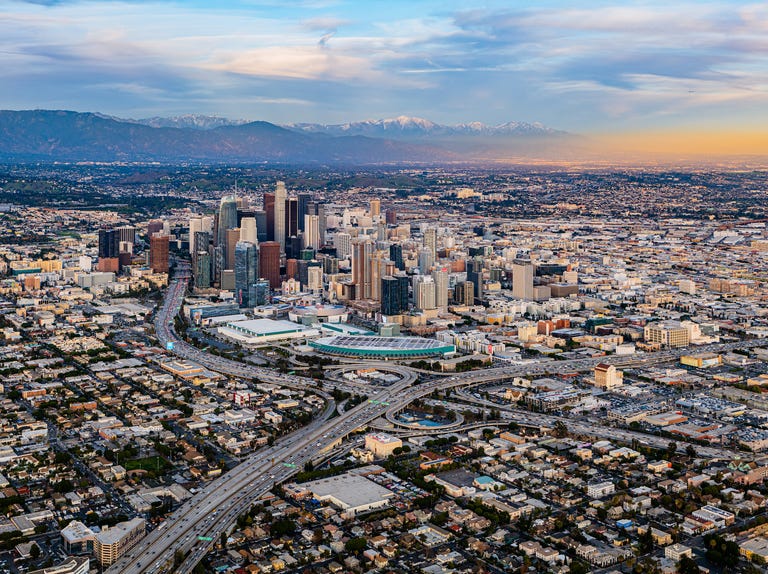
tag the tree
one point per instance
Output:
(560, 430)
(283, 527)
(577, 567)
(645, 542)
(720, 551)
(671, 448)
(647, 566)
(34, 551)
(690, 451)
(356, 545)
(687, 565)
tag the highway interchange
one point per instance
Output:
(197, 525)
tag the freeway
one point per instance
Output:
(196, 525)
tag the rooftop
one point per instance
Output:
(349, 491)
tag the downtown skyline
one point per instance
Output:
(648, 69)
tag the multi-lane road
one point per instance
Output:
(195, 526)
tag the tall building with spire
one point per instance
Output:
(280, 199)
(227, 220)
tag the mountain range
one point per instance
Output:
(405, 127)
(57, 135)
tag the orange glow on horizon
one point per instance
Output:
(684, 143)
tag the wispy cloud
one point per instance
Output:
(629, 63)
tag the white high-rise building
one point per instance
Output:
(315, 279)
(440, 277)
(248, 231)
(343, 244)
(424, 293)
(312, 231)
(281, 195)
(522, 280)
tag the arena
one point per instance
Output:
(382, 347)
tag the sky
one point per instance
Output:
(591, 68)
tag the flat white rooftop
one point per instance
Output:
(263, 327)
(349, 491)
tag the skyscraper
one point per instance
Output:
(522, 279)
(202, 270)
(430, 241)
(377, 269)
(304, 200)
(261, 225)
(396, 255)
(291, 217)
(361, 267)
(426, 261)
(246, 272)
(312, 231)
(475, 276)
(293, 247)
(201, 241)
(464, 293)
(269, 214)
(394, 294)
(375, 207)
(127, 234)
(315, 277)
(391, 217)
(248, 231)
(343, 244)
(227, 220)
(109, 243)
(158, 253)
(261, 293)
(441, 287)
(233, 236)
(390, 296)
(316, 208)
(269, 262)
(195, 226)
(405, 286)
(155, 226)
(424, 293)
(280, 197)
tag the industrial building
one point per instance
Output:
(351, 493)
(262, 331)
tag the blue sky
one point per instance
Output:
(583, 67)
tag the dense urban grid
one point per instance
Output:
(280, 369)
